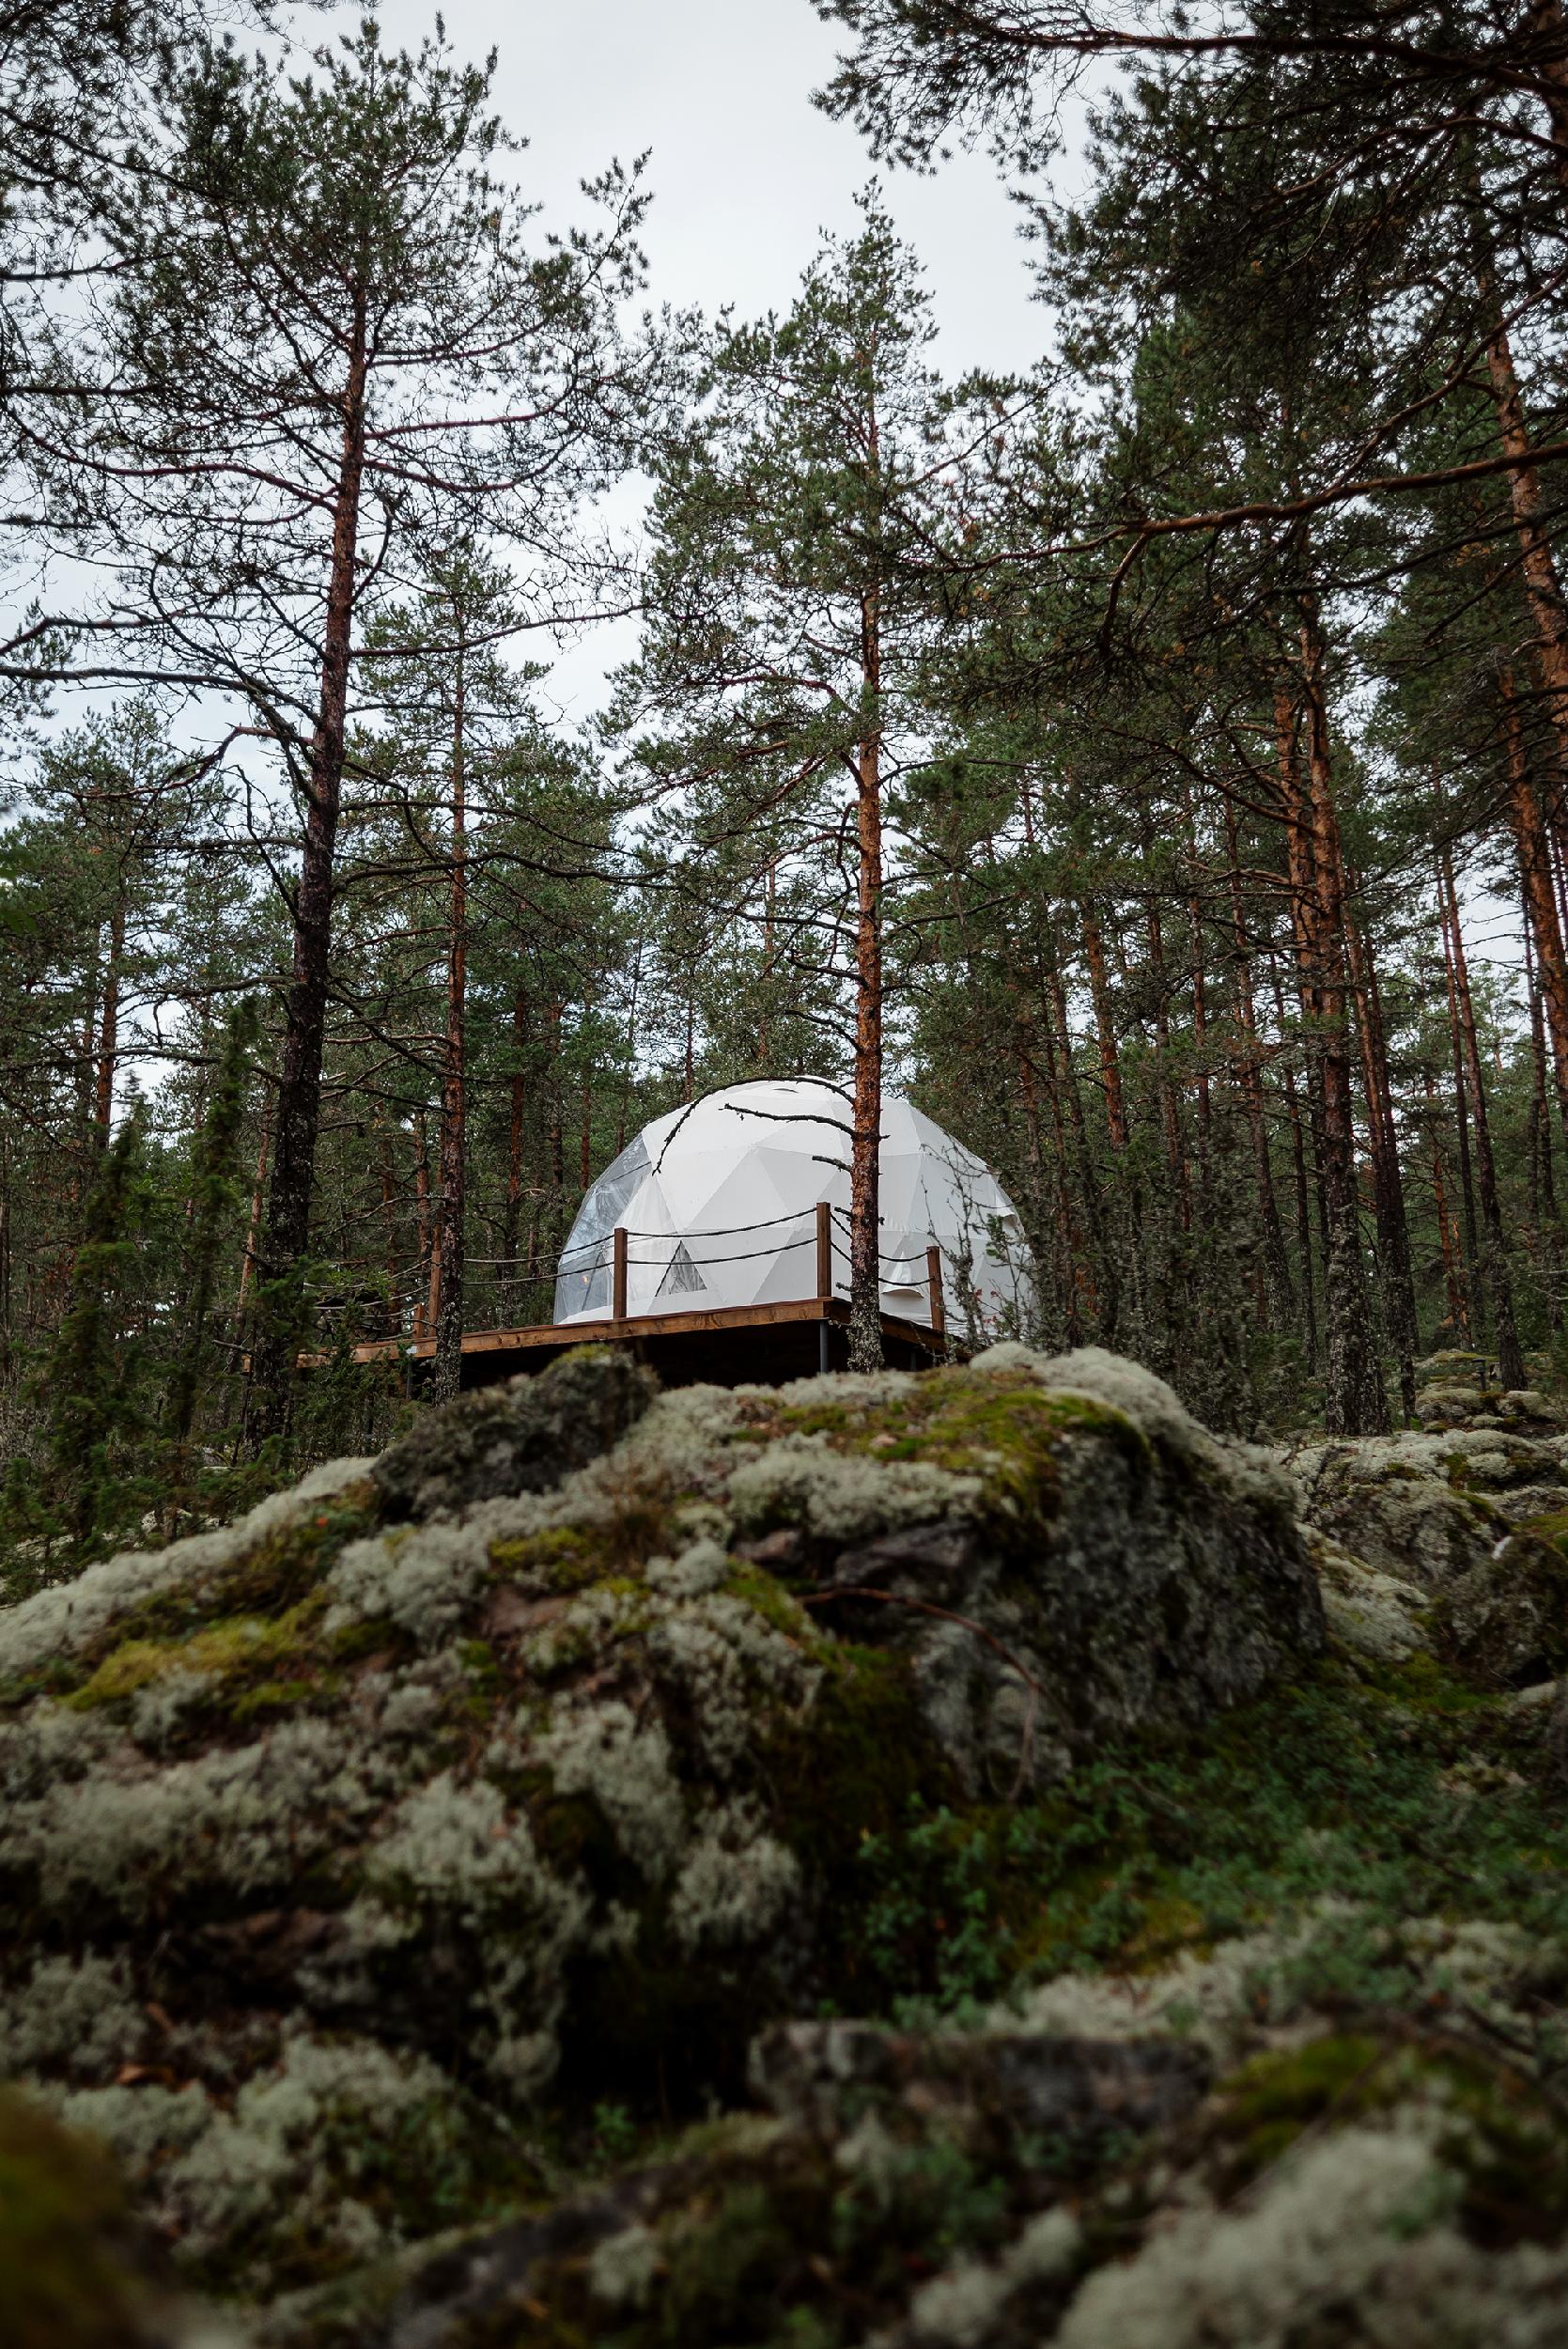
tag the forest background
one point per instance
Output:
(1151, 756)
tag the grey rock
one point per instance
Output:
(520, 1438)
(824, 2076)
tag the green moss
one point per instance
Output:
(1552, 1528)
(65, 2281)
(978, 1425)
(564, 1558)
(234, 1649)
(1265, 2108)
(767, 1598)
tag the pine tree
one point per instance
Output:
(90, 1393)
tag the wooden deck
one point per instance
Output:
(725, 1345)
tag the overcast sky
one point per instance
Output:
(745, 171)
(744, 168)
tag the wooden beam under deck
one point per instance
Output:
(726, 1344)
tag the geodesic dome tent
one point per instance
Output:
(718, 1202)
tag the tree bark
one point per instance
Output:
(451, 1265)
(1354, 1400)
(1535, 879)
(1459, 1307)
(1461, 1129)
(108, 1034)
(298, 1107)
(514, 1151)
(1542, 588)
(1511, 1366)
(425, 1294)
(1104, 1029)
(1393, 1231)
(865, 1272)
(1251, 1083)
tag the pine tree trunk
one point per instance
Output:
(1354, 1400)
(389, 1237)
(1393, 1233)
(1170, 1111)
(556, 1137)
(1461, 1129)
(1532, 522)
(1249, 1082)
(865, 1272)
(298, 1110)
(1304, 1248)
(1510, 1366)
(450, 1267)
(1543, 1184)
(429, 1260)
(1540, 902)
(514, 1155)
(1459, 1309)
(108, 1036)
(1104, 1029)
(1107, 1286)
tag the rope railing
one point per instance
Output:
(588, 1261)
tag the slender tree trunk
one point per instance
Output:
(1540, 901)
(108, 1034)
(1107, 1288)
(298, 1110)
(556, 1138)
(1393, 1233)
(389, 1237)
(1104, 1029)
(1531, 522)
(865, 1270)
(1354, 1400)
(450, 1266)
(259, 1201)
(1170, 1112)
(1462, 1127)
(429, 1255)
(514, 1150)
(1077, 1288)
(1249, 1080)
(1543, 1185)
(7, 1326)
(1511, 1366)
(1459, 1307)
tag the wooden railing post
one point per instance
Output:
(824, 1248)
(617, 1277)
(934, 1275)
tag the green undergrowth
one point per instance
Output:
(1412, 1797)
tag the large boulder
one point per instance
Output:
(1196, 2160)
(331, 1842)
(1454, 1543)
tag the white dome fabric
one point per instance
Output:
(718, 1201)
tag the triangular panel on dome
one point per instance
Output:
(681, 1277)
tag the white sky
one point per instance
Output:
(745, 171)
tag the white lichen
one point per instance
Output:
(69, 1616)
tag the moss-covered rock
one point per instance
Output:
(335, 1845)
(1341, 2183)
(519, 1437)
